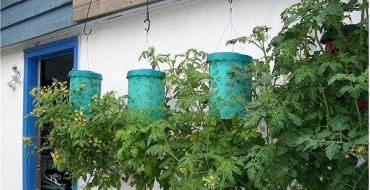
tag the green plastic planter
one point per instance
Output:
(83, 85)
(146, 93)
(228, 98)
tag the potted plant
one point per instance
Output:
(83, 86)
(227, 96)
(146, 91)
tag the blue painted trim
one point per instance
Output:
(29, 162)
(74, 187)
(32, 57)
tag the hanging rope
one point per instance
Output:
(232, 27)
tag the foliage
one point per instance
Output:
(188, 149)
(82, 142)
(311, 100)
(314, 100)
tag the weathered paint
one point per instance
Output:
(46, 23)
(15, 14)
(8, 3)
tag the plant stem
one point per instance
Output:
(207, 150)
(223, 181)
(170, 152)
(355, 101)
(359, 178)
(358, 113)
(317, 39)
(326, 105)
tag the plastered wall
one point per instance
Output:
(113, 48)
(11, 121)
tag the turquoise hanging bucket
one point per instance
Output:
(146, 91)
(83, 86)
(228, 96)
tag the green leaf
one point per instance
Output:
(339, 123)
(134, 152)
(346, 147)
(298, 79)
(331, 150)
(237, 40)
(236, 170)
(156, 149)
(339, 76)
(165, 174)
(346, 89)
(363, 139)
(332, 79)
(334, 9)
(295, 119)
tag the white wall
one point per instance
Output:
(114, 47)
(0, 123)
(11, 122)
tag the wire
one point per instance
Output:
(232, 28)
(147, 28)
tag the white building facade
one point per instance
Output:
(113, 48)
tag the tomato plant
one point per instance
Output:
(311, 101)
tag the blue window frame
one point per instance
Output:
(32, 57)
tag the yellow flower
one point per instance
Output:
(27, 140)
(33, 92)
(360, 149)
(55, 157)
(141, 169)
(172, 133)
(182, 170)
(209, 181)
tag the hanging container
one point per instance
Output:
(146, 90)
(83, 86)
(228, 95)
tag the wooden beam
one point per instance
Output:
(102, 7)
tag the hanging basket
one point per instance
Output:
(146, 91)
(83, 86)
(228, 96)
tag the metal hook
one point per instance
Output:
(85, 30)
(147, 25)
(230, 7)
(147, 20)
(87, 15)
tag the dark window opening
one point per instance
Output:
(48, 178)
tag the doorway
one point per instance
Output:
(41, 65)
(48, 178)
